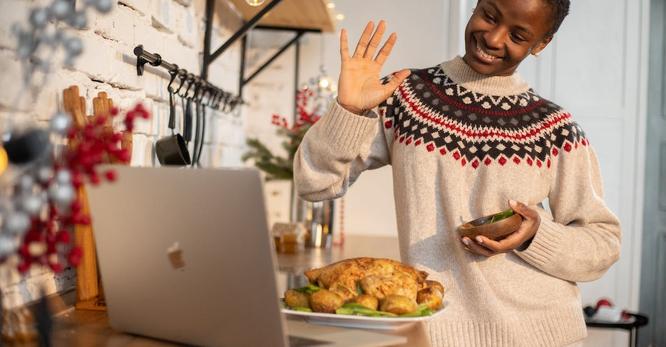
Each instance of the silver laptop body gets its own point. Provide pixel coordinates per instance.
(185, 255)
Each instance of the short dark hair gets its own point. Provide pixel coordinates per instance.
(560, 10)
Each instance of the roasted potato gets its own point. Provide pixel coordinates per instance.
(368, 301)
(430, 296)
(398, 304)
(435, 284)
(295, 298)
(325, 301)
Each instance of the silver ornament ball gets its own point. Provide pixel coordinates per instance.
(78, 20)
(64, 177)
(26, 45)
(26, 183)
(60, 123)
(61, 194)
(44, 174)
(103, 6)
(74, 46)
(31, 204)
(17, 223)
(8, 245)
(39, 17)
(62, 9)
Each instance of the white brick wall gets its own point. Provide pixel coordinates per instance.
(172, 28)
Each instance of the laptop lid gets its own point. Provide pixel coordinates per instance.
(185, 255)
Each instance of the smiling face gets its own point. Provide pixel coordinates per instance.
(501, 33)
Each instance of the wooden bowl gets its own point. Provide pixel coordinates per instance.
(493, 231)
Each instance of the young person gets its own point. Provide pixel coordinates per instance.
(465, 139)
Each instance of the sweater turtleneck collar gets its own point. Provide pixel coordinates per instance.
(462, 74)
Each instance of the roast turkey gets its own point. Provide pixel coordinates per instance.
(371, 276)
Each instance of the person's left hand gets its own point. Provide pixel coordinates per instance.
(528, 228)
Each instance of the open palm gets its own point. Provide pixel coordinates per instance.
(359, 85)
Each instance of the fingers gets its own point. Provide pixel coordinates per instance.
(376, 38)
(364, 40)
(511, 242)
(395, 81)
(523, 210)
(475, 248)
(386, 49)
(526, 231)
(344, 45)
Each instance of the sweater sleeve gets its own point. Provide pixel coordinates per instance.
(336, 150)
(580, 240)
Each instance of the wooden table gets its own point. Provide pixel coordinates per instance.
(88, 328)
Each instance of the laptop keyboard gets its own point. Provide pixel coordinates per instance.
(296, 341)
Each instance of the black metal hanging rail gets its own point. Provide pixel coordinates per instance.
(204, 91)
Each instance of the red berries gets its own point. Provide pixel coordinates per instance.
(90, 146)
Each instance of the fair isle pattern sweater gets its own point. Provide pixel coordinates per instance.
(460, 145)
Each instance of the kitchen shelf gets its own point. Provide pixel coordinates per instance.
(292, 14)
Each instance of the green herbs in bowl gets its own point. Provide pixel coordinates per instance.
(495, 226)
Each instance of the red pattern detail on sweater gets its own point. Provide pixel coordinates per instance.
(451, 101)
(456, 155)
(442, 151)
(487, 161)
(388, 124)
(516, 160)
(475, 163)
(485, 133)
(430, 147)
(502, 161)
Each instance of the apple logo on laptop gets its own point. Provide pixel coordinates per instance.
(175, 255)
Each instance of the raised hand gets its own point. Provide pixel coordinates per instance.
(359, 85)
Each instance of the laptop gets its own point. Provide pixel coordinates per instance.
(186, 256)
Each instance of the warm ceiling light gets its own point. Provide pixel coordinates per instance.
(255, 2)
(330, 5)
(340, 16)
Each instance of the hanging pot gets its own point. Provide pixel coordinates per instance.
(172, 150)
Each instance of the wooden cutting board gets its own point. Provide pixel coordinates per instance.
(89, 291)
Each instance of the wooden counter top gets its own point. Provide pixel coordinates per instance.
(89, 328)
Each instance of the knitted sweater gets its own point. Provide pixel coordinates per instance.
(460, 145)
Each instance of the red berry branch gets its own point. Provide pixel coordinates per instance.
(48, 239)
(277, 167)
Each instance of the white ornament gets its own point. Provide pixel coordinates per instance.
(26, 44)
(60, 123)
(32, 204)
(44, 174)
(64, 177)
(61, 194)
(74, 45)
(17, 223)
(103, 6)
(39, 17)
(78, 20)
(26, 183)
(62, 9)
(8, 245)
